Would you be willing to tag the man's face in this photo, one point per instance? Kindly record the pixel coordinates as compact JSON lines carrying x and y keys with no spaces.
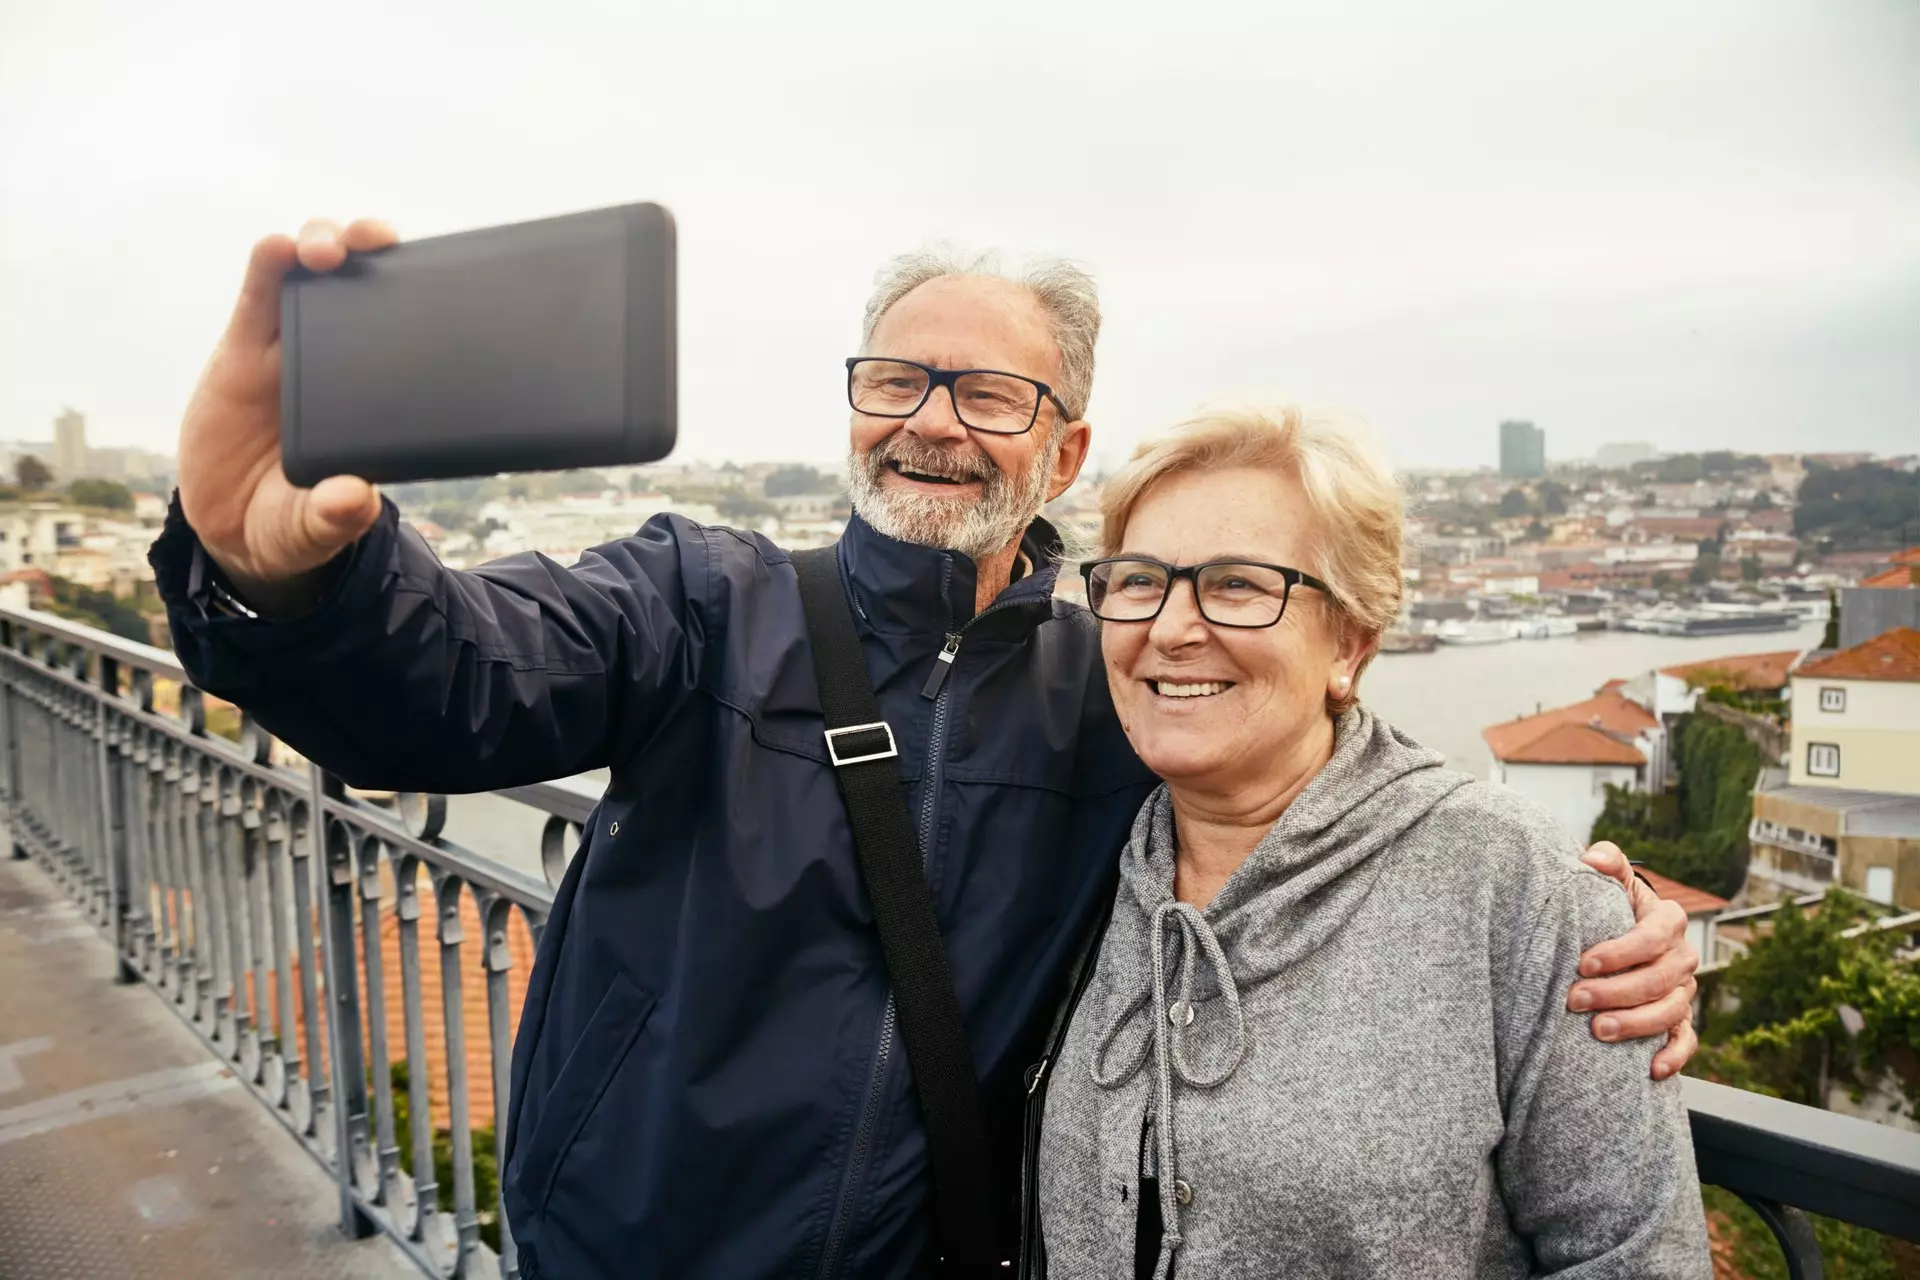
{"x":928,"y":479}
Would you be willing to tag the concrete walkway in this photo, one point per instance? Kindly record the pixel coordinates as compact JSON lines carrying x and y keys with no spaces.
{"x":126,"y":1150}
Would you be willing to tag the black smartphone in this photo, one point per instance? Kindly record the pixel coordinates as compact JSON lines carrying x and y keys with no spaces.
{"x":531,"y":347}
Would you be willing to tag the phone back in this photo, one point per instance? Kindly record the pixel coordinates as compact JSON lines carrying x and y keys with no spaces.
{"x":530,"y":347}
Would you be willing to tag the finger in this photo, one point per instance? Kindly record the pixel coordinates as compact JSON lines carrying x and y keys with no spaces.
{"x":1634,"y":987}
{"x":1682,"y":1041}
{"x":1662,"y":927}
{"x":365,"y":235}
{"x":320,"y":245}
{"x":339,"y":510}
{"x":1606,"y":858}
{"x":1646,"y":1020}
{"x":256,"y":313}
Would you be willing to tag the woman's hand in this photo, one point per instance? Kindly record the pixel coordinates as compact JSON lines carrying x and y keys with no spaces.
{"x":1641,"y":984}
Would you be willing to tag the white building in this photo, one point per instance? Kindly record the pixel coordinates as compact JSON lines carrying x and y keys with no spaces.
{"x":1565,"y":759}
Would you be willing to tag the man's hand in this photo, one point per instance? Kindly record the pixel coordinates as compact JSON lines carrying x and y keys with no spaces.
{"x":270,"y":537}
{"x":1651,"y":988}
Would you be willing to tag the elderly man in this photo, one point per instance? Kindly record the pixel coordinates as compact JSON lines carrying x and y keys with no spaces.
{"x":709,"y":1079}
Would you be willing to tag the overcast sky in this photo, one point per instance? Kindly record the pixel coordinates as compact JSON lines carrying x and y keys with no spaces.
{"x":1693,"y":223}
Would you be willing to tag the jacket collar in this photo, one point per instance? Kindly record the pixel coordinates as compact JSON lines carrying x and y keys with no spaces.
{"x":905,"y":587}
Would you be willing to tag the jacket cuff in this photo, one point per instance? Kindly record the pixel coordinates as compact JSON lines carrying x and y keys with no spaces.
{"x":199,"y":599}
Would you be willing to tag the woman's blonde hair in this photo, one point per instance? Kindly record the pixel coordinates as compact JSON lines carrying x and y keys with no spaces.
{"x":1354,"y":503}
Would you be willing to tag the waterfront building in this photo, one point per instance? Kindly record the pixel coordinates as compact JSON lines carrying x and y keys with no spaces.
{"x":1850,"y":812}
{"x":1564,"y":759}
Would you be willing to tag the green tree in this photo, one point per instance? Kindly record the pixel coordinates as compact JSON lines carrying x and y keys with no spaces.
{"x":743,"y":508}
{"x":1705,"y":568}
{"x":98,"y":609}
{"x":1553,"y":498}
{"x":33,"y":474}
{"x":100,"y":493}
{"x":1514,"y":504}
{"x":1696,"y":834}
{"x":796,"y":480}
{"x":1830,"y":638}
{"x":1750,"y":569}
{"x":1787,"y":1035}
{"x":1857,"y":508}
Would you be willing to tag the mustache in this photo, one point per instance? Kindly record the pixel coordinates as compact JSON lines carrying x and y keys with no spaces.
{"x":917,"y":455}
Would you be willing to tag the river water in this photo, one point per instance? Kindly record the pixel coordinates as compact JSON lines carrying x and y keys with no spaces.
{"x":1443,"y":698}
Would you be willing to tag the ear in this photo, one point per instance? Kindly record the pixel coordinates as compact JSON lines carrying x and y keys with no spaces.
{"x":1353,"y":650}
{"x":1075,"y":439}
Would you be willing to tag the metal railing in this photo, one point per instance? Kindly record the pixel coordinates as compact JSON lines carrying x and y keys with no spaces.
{"x":254,"y":898}
{"x":263,"y":902}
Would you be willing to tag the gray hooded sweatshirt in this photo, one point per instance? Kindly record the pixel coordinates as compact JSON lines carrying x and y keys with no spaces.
{"x":1357,"y":1059}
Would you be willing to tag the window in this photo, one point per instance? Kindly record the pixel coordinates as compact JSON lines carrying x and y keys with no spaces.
{"x":1833,"y":699}
{"x":1823,"y":759}
{"x":1880,"y":885}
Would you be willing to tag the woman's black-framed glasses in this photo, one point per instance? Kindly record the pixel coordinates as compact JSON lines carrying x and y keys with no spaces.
{"x":1230,"y":593}
{"x":1006,"y":404}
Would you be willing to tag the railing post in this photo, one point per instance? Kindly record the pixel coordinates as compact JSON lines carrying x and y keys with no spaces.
{"x":345,"y":1060}
{"x":114,"y":825}
{"x":9,"y":743}
{"x":1794,"y":1233}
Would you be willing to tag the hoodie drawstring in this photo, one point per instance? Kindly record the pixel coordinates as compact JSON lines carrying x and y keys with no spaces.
{"x":1170,"y":1040}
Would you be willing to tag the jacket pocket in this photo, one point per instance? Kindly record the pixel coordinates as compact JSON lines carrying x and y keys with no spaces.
{"x":596,"y":1057}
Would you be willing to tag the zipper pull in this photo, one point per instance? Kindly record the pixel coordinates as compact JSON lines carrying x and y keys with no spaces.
{"x":941,"y":666}
{"x":1035,"y":1074}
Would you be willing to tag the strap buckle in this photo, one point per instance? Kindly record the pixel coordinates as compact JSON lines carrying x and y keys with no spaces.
{"x":839,"y":761}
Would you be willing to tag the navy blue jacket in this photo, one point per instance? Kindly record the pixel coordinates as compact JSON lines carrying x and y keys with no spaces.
{"x":707,"y":1080}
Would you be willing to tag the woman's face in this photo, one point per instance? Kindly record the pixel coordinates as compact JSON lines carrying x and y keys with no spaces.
{"x":1220,"y":708}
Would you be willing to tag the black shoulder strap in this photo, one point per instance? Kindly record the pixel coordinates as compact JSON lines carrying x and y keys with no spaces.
{"x":861,"y":746}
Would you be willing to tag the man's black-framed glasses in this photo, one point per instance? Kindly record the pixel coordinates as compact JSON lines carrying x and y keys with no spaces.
{"x":991,"y":400}
{"x":1230,"y":593}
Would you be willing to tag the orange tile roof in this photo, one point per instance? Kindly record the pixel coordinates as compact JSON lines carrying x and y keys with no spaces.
{"x":1901,"y":575}
{"x":1692,"y":901}
{"x":1891,"y":655}
{"x":1603,"y":721}
{"x":1742,"y":671}
{"x":1569,"y":744}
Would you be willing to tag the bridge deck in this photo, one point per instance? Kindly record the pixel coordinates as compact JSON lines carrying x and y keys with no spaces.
{"x":125,"y":1148}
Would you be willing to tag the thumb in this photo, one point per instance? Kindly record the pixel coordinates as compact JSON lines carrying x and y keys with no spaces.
{"x":1606,"y":858}
{"x":339,"y":510}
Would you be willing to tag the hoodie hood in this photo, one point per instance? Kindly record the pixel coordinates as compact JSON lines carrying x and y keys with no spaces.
{"x":1315,"y":865}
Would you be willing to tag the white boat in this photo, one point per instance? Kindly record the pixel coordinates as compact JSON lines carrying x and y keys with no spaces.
{"x":1457,"y":632}
{"x":1543,"y":627}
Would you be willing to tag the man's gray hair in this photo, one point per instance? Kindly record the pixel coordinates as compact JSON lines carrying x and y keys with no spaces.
{"x":1065,"y":291}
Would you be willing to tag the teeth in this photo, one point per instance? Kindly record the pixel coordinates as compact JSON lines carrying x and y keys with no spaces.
{"x":1167,"y":690}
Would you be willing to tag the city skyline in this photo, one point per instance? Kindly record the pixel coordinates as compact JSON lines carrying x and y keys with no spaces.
{"x":1692,"y":226}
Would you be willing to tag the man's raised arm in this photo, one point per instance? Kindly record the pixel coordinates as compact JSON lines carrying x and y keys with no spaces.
{"x":341,"y":632}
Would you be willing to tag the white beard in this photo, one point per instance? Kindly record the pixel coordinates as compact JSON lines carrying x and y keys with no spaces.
{"x":975,"y":528}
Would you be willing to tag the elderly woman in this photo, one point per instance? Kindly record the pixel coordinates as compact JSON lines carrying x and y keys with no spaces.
{"x":1325,"y":1034}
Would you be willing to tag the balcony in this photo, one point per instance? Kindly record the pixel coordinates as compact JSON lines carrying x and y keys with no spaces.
{"x":337,"y":959}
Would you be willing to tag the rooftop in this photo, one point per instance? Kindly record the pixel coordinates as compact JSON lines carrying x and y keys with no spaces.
{"x":1597,"y":731}
{"x":1862,"y":813}
{"x":1901,"y":575}
{"x":1891,"y":655}
{"x":1740,"y":671}
{"x":1692,"y":901}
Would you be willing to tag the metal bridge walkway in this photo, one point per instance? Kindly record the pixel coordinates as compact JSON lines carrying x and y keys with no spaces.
{"x":126,"y":1150}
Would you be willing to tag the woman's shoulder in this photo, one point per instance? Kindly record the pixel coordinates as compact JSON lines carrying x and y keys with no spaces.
{"x":1488,"y":835}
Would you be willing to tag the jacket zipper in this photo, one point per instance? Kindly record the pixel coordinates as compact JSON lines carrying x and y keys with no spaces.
{"x":935,"y":688}
{"x":1032,"y":1261}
